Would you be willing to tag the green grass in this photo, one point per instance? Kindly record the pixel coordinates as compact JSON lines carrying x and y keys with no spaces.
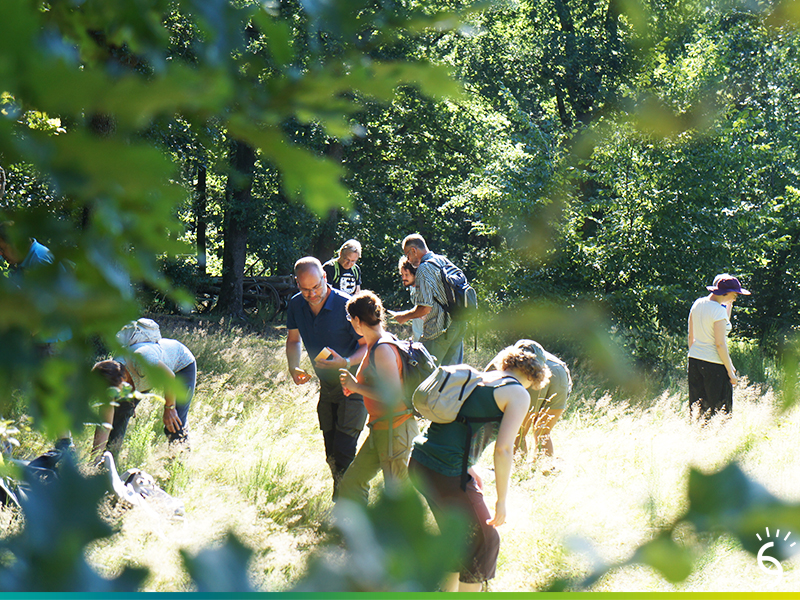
{"x":751,"y":362}
{"x":256,"y":467}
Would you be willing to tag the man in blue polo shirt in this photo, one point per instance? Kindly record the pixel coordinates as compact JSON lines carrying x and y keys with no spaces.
{"x":317,"y":317}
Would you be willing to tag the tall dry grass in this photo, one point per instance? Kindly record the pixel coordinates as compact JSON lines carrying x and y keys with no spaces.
{"x":624,"y":474}
{"x":256,"y":467}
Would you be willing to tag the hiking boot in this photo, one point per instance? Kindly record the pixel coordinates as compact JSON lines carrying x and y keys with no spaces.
{"x":178,"y":442}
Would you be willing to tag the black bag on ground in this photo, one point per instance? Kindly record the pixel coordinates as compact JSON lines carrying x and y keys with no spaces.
{"x":43,"y":469}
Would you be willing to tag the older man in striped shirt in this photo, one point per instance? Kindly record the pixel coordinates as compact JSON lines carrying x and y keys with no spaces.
{"x":441,"y":335}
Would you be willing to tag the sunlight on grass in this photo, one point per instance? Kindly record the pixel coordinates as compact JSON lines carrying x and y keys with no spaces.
{"x":257,"y":467}
{"x":624,"y":474}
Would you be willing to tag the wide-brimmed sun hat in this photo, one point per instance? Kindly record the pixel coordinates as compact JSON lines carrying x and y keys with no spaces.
{"x":727,"y":285}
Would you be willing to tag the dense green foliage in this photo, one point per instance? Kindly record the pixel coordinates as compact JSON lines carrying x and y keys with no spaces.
{"x":98,"y":98}
{"x":617,"y":153}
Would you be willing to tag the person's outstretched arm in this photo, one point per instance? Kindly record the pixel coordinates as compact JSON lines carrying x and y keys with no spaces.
{"x":294,"y":351}
{"x":171,"y":419}
{"x":417,"y":312}
{"x":516,"y":400}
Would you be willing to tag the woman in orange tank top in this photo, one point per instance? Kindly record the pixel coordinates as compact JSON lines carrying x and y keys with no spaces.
{"x":379,"y":379}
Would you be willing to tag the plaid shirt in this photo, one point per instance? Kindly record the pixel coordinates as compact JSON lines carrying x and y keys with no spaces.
{"x":430,"y":289}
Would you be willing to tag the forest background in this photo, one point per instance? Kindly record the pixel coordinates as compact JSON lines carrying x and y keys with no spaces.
{"x":591,"y":166}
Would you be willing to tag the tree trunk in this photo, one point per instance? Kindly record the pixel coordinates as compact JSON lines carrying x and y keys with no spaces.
{"x":326,"y":243}
{"x":200,"y":203}
{"x":576,"y":97}
{"x":238,"y":200}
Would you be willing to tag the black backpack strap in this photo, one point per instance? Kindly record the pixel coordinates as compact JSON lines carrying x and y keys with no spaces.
{"x":507,"y":380}
{"x":393,"y":341}
{"x":403,"y":366}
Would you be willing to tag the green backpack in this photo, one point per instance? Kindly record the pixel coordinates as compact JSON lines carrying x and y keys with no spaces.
{"x":337,"y":271}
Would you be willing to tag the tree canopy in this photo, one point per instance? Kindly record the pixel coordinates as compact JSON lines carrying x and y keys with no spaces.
{"x":615,"y":153}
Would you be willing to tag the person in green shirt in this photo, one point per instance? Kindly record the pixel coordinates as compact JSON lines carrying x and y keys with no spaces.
{"x":437,"y":461}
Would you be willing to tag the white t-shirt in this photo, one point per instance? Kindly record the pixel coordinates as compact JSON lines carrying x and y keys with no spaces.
{"x":705,"y":312}
{"x":172,"y":353}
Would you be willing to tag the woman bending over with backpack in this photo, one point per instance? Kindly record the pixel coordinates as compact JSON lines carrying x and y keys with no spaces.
{"x":392,"y":426}
{"x":437,"y":460}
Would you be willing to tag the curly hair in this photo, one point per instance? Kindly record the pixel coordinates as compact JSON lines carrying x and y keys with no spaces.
{"x":526,"y":362}
{"x":367,"y":307}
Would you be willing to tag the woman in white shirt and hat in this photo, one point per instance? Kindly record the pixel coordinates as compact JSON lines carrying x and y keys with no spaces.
{"x":711,"y":372}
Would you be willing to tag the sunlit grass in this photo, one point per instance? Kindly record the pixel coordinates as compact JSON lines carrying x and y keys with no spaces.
{"x":624,"y":475}
{"x":256,"y":467}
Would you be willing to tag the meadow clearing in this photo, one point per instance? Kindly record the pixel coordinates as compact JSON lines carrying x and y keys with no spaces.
{"x":256,"y":468}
